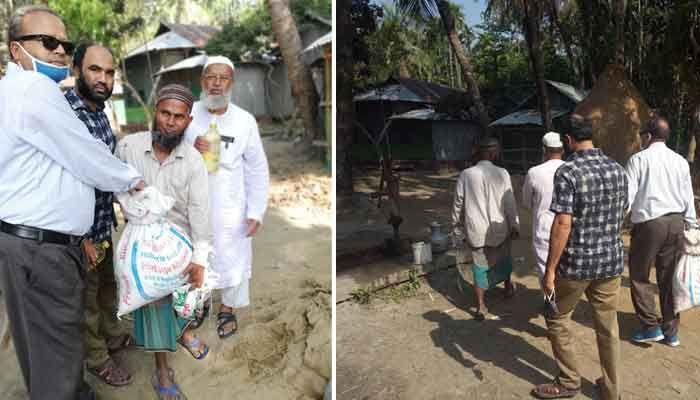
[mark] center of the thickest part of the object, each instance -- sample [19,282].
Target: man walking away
[484,205]
[585,256]
[661,193]
[537,196]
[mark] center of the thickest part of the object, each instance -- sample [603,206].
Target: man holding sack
[177,170]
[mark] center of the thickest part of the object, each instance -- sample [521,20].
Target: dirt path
[282,350]
[428,346]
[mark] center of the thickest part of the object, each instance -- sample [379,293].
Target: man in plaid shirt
[585,256]
[93,65]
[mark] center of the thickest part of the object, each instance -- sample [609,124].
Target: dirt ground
[428,346]
[282,350]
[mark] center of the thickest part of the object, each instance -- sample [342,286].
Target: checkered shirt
[98,125]
[593,189]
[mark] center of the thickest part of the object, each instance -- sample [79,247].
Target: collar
[178,151]
[657,144]
[13,69]
[484,162]
[588,152]
[77,103]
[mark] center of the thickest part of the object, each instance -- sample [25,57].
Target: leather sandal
[111,373]
[222,319]
[553,390]
[195,347]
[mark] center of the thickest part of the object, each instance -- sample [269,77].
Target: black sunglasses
[50,42]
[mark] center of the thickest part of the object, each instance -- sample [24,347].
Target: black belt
[40,235]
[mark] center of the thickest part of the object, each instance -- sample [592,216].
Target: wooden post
[328,100]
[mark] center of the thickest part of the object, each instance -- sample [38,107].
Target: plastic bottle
[211,156]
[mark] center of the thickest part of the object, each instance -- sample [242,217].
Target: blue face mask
[54,72]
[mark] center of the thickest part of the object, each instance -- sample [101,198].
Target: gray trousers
[43,286]
[655,243]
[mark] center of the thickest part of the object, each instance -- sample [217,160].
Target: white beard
[216,102]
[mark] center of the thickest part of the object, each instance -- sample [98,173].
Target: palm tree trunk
[531,27]
[344,127]
[566,40]
[299,75]
[448,22]
[619,10]
[589,68]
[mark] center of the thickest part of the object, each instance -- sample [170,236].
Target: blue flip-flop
[167,392]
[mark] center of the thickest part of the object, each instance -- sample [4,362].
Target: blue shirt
[98,126]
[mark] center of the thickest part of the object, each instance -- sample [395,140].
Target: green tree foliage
[248,35]
[93,20]
[365,17]
[396,45]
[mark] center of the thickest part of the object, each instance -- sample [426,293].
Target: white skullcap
[552,139]
[218,60]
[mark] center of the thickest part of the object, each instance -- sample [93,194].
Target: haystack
[617,110]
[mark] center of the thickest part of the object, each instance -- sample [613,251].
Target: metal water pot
[439,241]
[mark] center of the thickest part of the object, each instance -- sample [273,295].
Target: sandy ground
[428,346]
[282,350]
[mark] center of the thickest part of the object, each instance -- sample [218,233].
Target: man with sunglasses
[50,166]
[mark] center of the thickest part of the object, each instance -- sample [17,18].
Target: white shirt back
[485,205]
[660,184]
[49,161]
[537,196]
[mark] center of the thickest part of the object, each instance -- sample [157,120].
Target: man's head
[173,106]
[581,131]
[489,148]
[217,82]
[657,130]
[93,65]
[553,146]
[36,34]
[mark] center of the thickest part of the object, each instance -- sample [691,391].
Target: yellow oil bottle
[211,156]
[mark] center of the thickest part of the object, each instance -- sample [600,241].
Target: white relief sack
[686,280]
[152,253]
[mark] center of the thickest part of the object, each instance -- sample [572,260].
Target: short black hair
[82,48]
[581,128]
[488,143]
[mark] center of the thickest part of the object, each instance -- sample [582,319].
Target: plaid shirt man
[593,189]
[98,125]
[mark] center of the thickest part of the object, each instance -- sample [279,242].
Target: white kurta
[484,204]
[537,196]
[237,191]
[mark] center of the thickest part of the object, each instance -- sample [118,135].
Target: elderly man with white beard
[237,190]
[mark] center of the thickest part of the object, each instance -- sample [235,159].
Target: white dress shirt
[237,191]
[50,164]
[484,204]
[660,184]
